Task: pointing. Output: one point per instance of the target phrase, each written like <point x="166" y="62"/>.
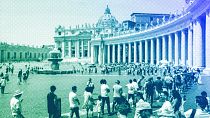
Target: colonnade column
<point x="63" y="49"/>
<point x="129" y="52"/>
<point x="118" y="53"/>
<point x="135" y="50"/>
<point x="198" y="44"/>
<point x="207" y="69"/>
<point x="113" y="53"/>
<point x="170" y="58"/>
<point x="146" y="51"/>
<point x="140" y="51"/>
<point x="157" y="50"/>
<point x="152" y="52"/>
<point x="92" y="54"/>
<point x="108" y="54"/>
<point x="70" y="49"/>
<point x="190" y="48"/>
<point x="176" y="49"/>
<point x="183" y="60"/>
<point x="163" y="47"/>
<point x="100" y="55"/>
<point x="124" y="57"/>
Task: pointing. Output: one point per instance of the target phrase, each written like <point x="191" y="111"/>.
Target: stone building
<point x="11" y="52"/>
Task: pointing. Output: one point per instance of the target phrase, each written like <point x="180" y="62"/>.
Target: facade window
<point x="73" y="49"/>
<point x="8" y="55"/>
<point x="34" y="55"/>
<point x="21" y="55"/>
<point x="26" y="55"/>
<point x="59" y="33"/>
<point x="15" y="55"/>
<point x="30" y="55"/>
<point x="45" y="55"/>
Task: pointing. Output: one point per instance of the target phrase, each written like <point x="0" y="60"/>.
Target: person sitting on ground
<point x="145" y="111"/>
<point x="199" y="112"/>
<point x="166" y="110"/>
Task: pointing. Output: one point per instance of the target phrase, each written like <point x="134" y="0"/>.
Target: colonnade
<point x="189" y="46"/>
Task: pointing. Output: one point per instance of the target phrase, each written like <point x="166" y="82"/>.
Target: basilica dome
<point x="107" y="20"/>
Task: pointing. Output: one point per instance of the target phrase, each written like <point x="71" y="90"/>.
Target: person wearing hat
<point x="144" y="110"/>
<point x="117" y="90"/>
<point x="15" y="104"/>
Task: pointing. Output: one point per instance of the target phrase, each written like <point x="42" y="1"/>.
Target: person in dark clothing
<point x="51" y="102"/>
<point x="159" y="86"/>
<point x="150" y="90"/>
<point x="20" y="73"/>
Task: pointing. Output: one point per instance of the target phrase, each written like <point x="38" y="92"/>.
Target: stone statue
<point x="158" y="21"/>
<point x="146" y="25"/>
<point x="164" y="19"/>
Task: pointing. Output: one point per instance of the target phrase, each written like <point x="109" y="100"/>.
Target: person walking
<point x="88" y="101"/>
<point x="131" y="91"/>
<point x="105" y="96"/>
<point x="3" y="84"/>
<point x="90" y="84"/>
<point x="74" y="103"/>
<point x="16" y="105"/>
<point x="117" y="90"/>
<point x="20" y="73"/>
<point x="51" y="102"/>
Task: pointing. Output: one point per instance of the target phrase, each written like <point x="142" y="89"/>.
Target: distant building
<point x="128" y="25"/>
<point x="22" y="53"/>
<point x="145" y="20"/>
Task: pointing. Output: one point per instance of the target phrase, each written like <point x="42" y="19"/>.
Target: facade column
<point x="135" y="52"/>
<point x="152" y="52"/>
<point x="124" y="53"/>
<point x="157" y="51"/>
<point x="190" y="47"/>
<point x="63" y="49"/>
<point x="118" y="53"/>
<point x="146" y="51"/>
<point x="164" y="48"/>
<point x="70" y="49"/>
<point x="77" y="49"/>
<point x="140" y="52"/>
<point x="170" y="58"/>
<point x="129" y="52"/>
<point x="92" y="54"/>
<point x="113" y="53"/>
<point x="197" y="54"/>
<point x="207" y="69"/>
<point x="176" y="49"/>
<point x="108" y="54"/>
<point x="82" y="50"/>
<point x="183" y="59"/>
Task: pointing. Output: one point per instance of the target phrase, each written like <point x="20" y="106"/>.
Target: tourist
<point x="166" y="110"/>
<point x="6" y="76"/>
<point x="149" y="89"/>
<point x="24" y="77"/>
<point x="117" y="90"/>
<point x="199" y="112"/>
<point x="168" y="83"/>
<point x="3" y="84"/>
<point x="140" y="100"/>
<point x="74" y="103"/>
<point x="20" y="72"/>
<point x="15" y="105"/>
<point x="122" y="106"/>
<point x="51" y="102"/>
<point x="144" y="110"/>
<point x="204" y="94"/>
<point x="88" y="101"/>
<point x="176" y="101"/>
<point x="131" y="91"/>
<point x="90" y="84"/>
<point x="98" y="106"/>
<point x="159" y="86"/>
<point x="105" y="96"/>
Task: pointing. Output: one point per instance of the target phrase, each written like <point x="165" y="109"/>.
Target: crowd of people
<point x="155" y="86"/>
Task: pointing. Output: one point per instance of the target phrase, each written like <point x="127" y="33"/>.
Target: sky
<point x="33" y="22"/>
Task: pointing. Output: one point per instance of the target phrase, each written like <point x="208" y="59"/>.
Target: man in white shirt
<point x="105" y="96"/>
<point x="74" y="102"/>
<point x="131" y="91"/>
<point x="15" y="104"/>
<point x="117" y="89"/>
